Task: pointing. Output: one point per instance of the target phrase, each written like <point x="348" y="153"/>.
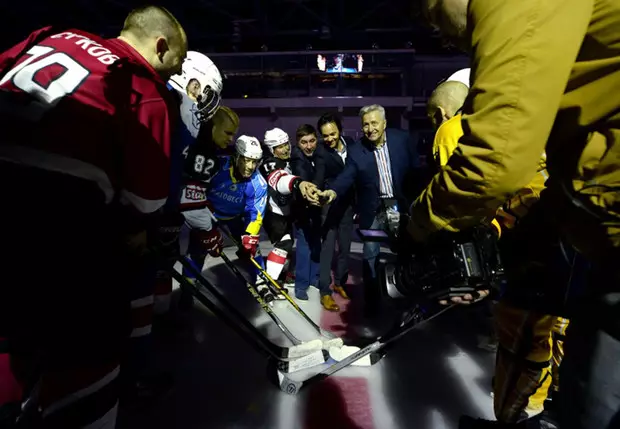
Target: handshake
<point x="314" y="195"/>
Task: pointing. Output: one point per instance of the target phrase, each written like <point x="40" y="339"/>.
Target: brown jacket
<point x="546" y="77"/>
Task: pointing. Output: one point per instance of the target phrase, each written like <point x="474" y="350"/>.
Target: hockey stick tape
<point x="341" y="353"/>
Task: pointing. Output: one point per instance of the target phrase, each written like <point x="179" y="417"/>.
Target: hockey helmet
<point x="248" y="147"/>
<point x="274" y="138"/>
<point x="462" y="76"/>
<point x="201" y="80"/>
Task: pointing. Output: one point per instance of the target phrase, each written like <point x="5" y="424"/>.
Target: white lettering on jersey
<point x="93" y="48"/>
<point x="23" y="77"/>
<point x="204" y="167"/>
<point x="230" y="198"/>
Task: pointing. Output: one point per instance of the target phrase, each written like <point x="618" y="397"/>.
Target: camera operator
<point x="378" y="166"/>
<point x="526" y="317"/>
<point x="543" y="79"/>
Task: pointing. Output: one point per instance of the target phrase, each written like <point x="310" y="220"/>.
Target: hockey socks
<point x="275" y="262"/>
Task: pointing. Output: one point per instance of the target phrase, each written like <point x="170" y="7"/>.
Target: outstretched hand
<point x="310" y="192"/>
<point x="327" y="197"/>
<point x="467" y="299"/>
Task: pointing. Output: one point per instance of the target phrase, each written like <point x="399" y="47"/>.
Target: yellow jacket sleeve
<point x="523" y="52"/>
<point x="446" y="139"/>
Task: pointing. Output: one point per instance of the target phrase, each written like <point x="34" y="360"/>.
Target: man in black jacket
<point x="306" y="164"/>
<point x="380" y="166"/>
<point x="337" y="217"/>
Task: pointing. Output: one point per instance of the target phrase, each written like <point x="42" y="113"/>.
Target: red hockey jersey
<point x="93" y="108"/>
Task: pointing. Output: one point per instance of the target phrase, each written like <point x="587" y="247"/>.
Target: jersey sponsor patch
<point x="195" y="193"/>
<point x="274" y="178"/>
<point x="231" y="198"/>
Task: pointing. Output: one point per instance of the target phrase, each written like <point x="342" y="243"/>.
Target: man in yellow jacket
<point x="545" y="77"/>
<point x="530" y="340"/>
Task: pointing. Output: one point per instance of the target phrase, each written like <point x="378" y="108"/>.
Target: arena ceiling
<point x="245" y="25"/>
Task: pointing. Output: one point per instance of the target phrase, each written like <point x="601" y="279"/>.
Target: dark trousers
<point x="372" y="293"/>
<point x="64" y="305"/>
<point x="308" y="256"/>
<point x="590" y="372"/>
<point x="336" y="231"/>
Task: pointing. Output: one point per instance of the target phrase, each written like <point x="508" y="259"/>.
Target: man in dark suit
<point x="378" y="166"/>
<point x="306" y="164"/>
<point x="337" y="217"/>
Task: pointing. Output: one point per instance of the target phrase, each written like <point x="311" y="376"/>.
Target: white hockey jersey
<point x="282" y="183"/>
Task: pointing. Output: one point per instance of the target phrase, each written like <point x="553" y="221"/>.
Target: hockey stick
<point x="414" y="320"/>
<point x="240" y="324"/>
<point x="191" y="267"/>
<point x="333" y="340"/>
<point x="256" y="339"/>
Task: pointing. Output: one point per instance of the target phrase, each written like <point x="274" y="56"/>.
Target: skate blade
<point x="341" y="353"/>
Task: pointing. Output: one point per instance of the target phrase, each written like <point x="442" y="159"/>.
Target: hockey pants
<point x="528" y="358"/>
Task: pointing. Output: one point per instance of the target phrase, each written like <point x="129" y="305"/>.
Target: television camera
<point x="449" y="265"/>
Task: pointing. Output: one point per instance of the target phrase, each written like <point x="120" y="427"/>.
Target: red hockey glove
<point x="250" y="243"/>
<point x="211" y="241"/>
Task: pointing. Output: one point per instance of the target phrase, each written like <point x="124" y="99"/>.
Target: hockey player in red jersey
<point x="198" y="88"/>
<point x="84" y="163"/>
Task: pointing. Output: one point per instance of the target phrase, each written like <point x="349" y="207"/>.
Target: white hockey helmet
<point x="198" y="67"/>
<point x="248" y="147"/>
<point x="274" y="138"/>
<point x="462" y="76"/>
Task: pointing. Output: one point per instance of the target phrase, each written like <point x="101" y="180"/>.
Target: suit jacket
<point x="330" y="165"/>
<point x="361" y="170"/>
<point x="308" y="168"/>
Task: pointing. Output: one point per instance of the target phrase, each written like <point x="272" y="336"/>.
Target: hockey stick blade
<point x="318" y="357"/>
<point x="191" y="267"/>
<point x="269" y="279"/>
<point x="329" y="343"/>
<point x="292" y="387"/>
<point x="341" y="353"/>
<point x="304" y="349"/>
<point x="240" y="324"/>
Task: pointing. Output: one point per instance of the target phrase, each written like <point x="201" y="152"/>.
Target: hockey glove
<point x="250" y="243"/>
<point x="211" y="241"/>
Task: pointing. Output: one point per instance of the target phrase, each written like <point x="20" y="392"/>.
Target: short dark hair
<point x="304" y="130"/>
<point x="328" y="118"/>
<point x="147" y="21"/>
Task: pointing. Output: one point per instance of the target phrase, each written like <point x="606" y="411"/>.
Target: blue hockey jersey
<point x="232" y="198"/>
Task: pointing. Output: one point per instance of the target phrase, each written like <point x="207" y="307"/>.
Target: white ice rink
<point x="426" y="381"/>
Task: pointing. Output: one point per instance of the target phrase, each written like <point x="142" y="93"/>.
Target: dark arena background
<point x="267" y="50"/>
<point x="279" y="60"/>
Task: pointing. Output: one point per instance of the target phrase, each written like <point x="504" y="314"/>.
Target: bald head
<point x="158" y="36"/>
<point x="445" y="101"/>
